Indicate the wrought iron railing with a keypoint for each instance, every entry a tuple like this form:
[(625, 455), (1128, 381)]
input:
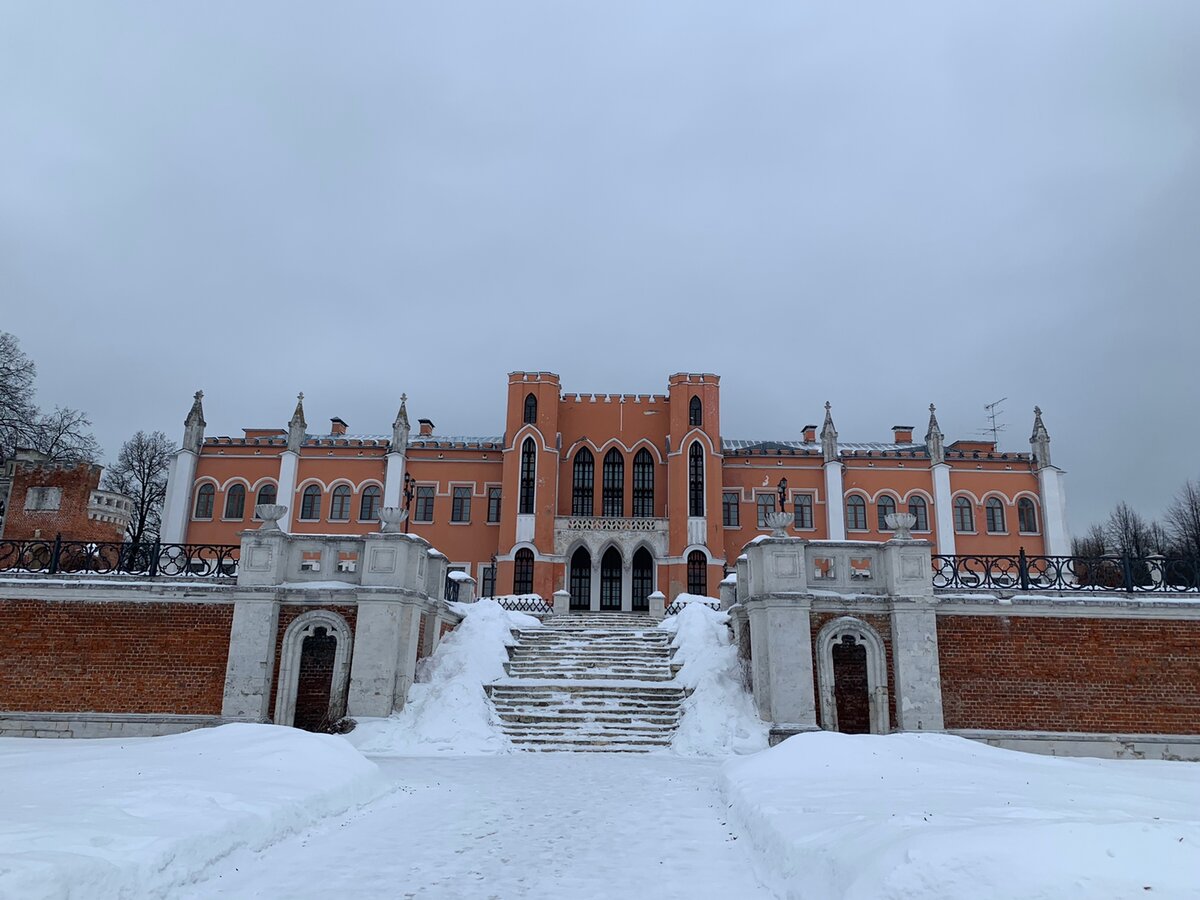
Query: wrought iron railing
[(1131, 574), (534, 605), (677, 607), (148, 558)]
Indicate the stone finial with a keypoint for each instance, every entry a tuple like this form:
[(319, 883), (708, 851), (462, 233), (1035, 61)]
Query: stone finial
[(297, 427), (193, 425), (934, 439), (400, 427), (1039, 441), (829, 436)]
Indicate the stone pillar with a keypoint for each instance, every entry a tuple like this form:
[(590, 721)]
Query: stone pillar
[(594, 601), (177, 506), (728, 589), (251, 665), (263, 559), (943, 510), (466, 590), (787, 636), (288, 463), (835, 514), (917, 675), (907, 568), (562, 603), (385, 654), (760, 659), (626, 586), (1057, 534), (393, 480), (658, 605)]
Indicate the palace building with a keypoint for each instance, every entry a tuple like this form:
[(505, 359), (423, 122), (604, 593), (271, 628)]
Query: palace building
[(614, 496)]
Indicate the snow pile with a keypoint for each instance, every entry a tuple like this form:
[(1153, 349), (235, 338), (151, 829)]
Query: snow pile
[(935, 816), (447, 710), (719, 717), (140, 817)]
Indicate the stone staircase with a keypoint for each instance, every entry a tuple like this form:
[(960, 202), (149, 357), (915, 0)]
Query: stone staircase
[(590, 682)]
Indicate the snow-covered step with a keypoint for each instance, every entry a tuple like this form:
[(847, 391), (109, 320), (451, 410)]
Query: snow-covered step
[(590, 683)]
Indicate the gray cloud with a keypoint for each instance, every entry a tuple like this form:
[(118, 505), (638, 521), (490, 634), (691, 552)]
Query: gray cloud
[(881, 206)]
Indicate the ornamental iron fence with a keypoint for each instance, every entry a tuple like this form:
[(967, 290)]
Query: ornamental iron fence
[(149, 558), (677, 607), (535, 605), (1129, 574)]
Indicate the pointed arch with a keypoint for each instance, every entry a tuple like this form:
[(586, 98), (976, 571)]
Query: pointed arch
[(643, 485), (643, 580), (696, 479), (695, 413), (612, 501), (530, 414), (697, 573), (523, 571), (583, 485), (610, 579), (308, 625), (853, 632), (528, 476), (580, 585)]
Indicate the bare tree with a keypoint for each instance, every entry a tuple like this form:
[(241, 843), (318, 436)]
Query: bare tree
[(17, 411), (140, 472), (1183, 521), (63, 435), (1128, 534), (1093, 543)]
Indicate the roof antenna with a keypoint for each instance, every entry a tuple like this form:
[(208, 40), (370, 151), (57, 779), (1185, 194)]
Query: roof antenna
[(995, 426)]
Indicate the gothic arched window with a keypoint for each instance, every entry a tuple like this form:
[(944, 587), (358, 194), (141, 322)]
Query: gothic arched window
[(523, 571), (204, 501), (339, 504), (643, 484), (583, 483), (266, 496), (643, 580), (920, 511), (612, 501), (696, 480), (695, 413), (964, 515), (310, 502), (368, 507), (581, 579), (528, 476), (1026, 516), (235, 502), (856, 513), (697, 573), (885, 506), (995, 515), (531, 410)]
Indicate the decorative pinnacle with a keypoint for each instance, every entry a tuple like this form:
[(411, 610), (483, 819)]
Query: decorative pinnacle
[(199, 395)]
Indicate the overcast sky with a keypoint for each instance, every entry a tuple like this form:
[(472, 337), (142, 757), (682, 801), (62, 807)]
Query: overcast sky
[(880, 204)]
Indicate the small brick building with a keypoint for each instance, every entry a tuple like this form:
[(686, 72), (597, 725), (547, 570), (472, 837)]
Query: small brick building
[(40, 499)]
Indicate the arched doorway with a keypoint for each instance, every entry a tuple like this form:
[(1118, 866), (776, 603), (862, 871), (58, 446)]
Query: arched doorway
[(314, 670), (581, 580), (314, 683), (643, 580), (852, 677), (610, 580)]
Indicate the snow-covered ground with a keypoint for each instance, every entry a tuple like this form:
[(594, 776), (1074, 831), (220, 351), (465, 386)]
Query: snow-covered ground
[(447, 711), (719, 717), (97, 819), (542, 826), (920, 817)]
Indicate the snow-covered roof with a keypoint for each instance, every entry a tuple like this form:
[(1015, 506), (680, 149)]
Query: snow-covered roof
[(730, 444), (455, 439)]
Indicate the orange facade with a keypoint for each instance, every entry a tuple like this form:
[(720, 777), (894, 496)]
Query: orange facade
[(610, 496)]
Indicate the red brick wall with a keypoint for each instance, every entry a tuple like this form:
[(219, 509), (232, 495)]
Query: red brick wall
[(883, 625), (113, 657), (287, 615), (70, 519), (1028, 673)]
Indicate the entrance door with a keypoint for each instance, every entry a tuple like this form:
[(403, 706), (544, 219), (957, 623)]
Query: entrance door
[(610, 580), (643, 580), (850, 688), (581, 580)]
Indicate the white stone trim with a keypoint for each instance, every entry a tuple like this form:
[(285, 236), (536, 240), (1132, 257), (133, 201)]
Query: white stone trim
[(101, 725), (289, 663), (877, 676), (835, 513), (1101, 745), (285, 492), (177, 506)]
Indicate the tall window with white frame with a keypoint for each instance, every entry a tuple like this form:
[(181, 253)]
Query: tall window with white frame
[(1026, 516), (731, 502), (583, 483), (766, 506), (643, 484), (695, 413), (523, 571), (493, 514), (425, 497), (368, 505), (613, 497), (339, 504), (528, 477), (235, 502), (696, 480), (310, 503), (530, 417), (267, 495), (697, 573), (205, 500)]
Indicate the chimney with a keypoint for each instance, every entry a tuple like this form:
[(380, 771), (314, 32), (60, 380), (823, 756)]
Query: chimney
[(810, 434), (425, 428), (337, 426), (902, 434)]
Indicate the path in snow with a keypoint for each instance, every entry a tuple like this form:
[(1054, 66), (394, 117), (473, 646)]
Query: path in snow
[(553, 825)]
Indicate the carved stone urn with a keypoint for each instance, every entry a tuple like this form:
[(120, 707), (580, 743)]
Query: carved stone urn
[(270, 513), (778, 523), (902, 524), (391, 518)]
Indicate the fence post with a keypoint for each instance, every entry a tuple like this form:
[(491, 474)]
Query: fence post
[(1023, 569), (1127, 572), (54, 554), (154, 551)]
